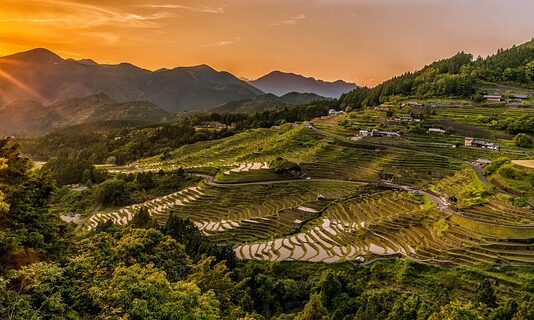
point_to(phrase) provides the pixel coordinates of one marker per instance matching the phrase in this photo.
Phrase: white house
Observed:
(436, 131)
(334, 112)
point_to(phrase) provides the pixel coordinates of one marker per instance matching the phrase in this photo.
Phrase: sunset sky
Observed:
(363, 41)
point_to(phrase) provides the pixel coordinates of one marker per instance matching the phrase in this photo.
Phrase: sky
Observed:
(361, 41)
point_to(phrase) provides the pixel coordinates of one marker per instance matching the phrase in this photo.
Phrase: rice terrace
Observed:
(266, 160)
(414, 196)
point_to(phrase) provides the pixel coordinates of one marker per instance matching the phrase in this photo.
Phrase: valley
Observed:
(419, 196)
(188, 193)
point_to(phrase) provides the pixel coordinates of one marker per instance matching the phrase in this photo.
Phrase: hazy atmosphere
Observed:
(362, 41)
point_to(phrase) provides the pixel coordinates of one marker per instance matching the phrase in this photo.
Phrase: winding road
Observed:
(442, 205)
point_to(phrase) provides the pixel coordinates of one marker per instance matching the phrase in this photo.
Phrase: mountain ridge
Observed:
(268, 101)
(281, 83)
(178, 89)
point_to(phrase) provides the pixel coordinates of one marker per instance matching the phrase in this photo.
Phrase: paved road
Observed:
(481, 176)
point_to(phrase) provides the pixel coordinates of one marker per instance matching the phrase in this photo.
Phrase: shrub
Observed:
(495, 165)
(523, 140)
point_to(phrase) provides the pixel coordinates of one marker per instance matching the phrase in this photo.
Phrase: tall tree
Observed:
(29, 231)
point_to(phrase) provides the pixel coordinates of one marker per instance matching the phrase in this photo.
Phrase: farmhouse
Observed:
(415, 104)
(472, 142)
(492, 98)
(436, 131)
(404, 119)
(519, 97)
(334, 112)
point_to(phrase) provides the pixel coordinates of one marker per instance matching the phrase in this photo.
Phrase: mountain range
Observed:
(281, 83)
(45, 77)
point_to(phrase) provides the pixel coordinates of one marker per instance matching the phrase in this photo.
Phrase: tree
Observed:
(138, 292)
(32, 292)
(523, 140)
(331, 286)
(112, 193)
(211, 276)
(456, 311)
(285, 167)
(314, 310)
(28, 230)
(486, 294)
(143, 219)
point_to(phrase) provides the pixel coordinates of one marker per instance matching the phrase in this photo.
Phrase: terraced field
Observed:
(238, 214)
(334, 212)
(462, 121)
(365, 162)
(293, 142)
(319, 156)
(500, 212)
(156, 207)
(396, 223)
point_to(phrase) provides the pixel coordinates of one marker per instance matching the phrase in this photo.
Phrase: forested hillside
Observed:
(268, 102)
(28, 118)
(73, 150)
(455, 77)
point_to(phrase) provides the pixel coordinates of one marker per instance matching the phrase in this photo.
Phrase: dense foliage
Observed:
(72, 152)
(454, 77)
(173, 272)
(447, 78)
(28, 231)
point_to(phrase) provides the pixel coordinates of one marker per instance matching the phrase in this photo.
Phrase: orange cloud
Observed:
(364, 41)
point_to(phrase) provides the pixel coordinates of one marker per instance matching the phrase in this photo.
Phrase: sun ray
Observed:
(20, 84)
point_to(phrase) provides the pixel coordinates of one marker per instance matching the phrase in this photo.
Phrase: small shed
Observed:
(482, 162)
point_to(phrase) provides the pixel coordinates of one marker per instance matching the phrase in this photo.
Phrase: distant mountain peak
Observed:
(281, 83)
(36, 55)
(88, 62)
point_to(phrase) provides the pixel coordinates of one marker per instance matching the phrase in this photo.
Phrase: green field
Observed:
(333, 211)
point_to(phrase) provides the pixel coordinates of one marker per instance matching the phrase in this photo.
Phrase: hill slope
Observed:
(458, 76)
(31, 118)
(281, 83)
(268, 102)
(43, 76)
